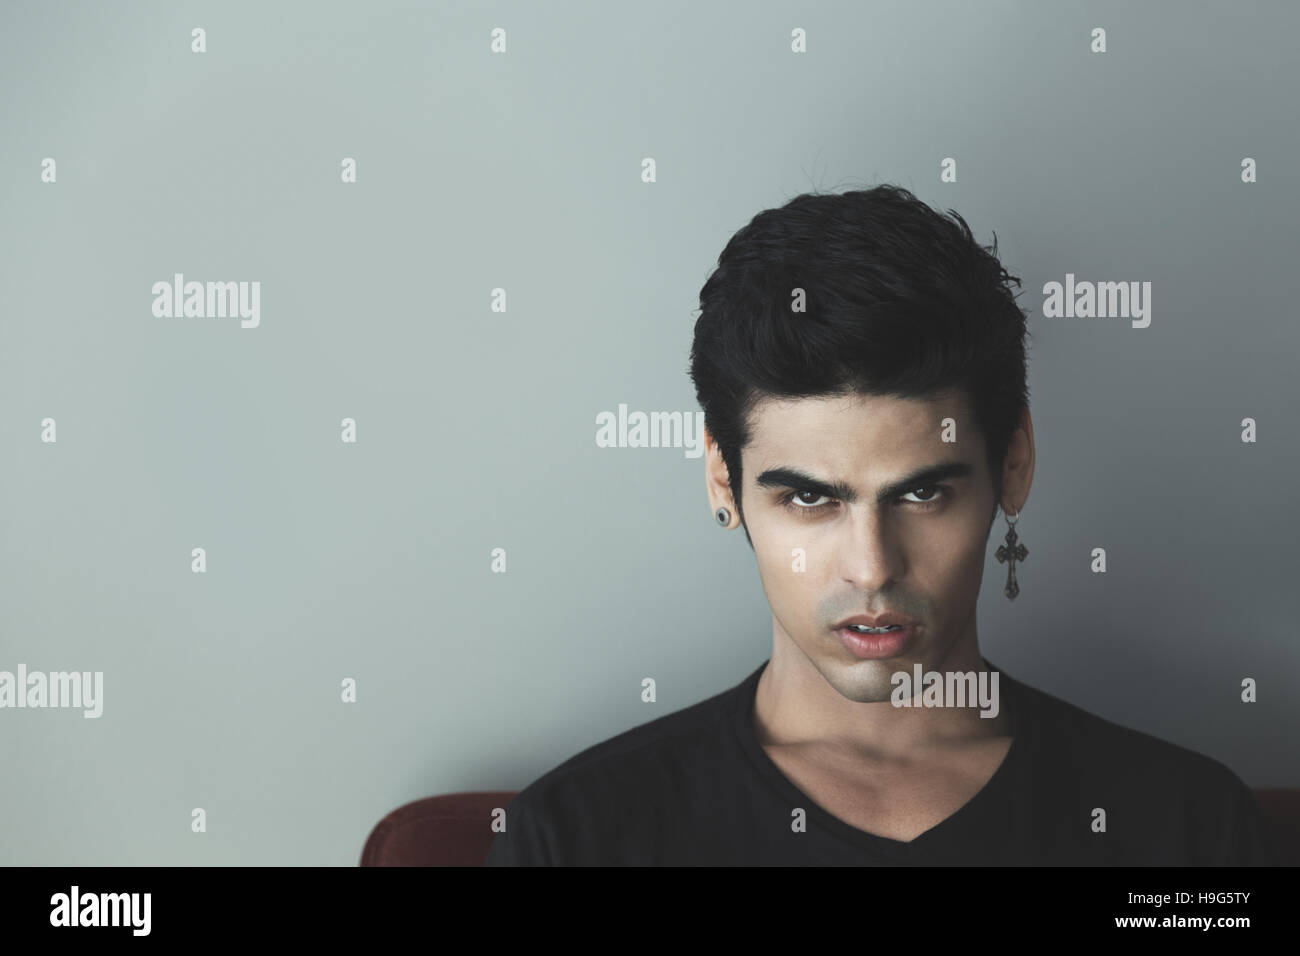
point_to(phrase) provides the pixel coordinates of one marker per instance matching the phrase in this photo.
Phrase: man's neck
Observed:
(796, 705)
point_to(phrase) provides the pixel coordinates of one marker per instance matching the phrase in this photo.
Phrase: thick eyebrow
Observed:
(793, 478)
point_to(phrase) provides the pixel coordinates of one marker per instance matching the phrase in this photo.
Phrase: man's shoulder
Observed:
(1164, 802)
(618, 798)
(1092, 743)
(655, 750)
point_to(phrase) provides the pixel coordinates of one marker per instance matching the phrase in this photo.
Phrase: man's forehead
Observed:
(886, 417)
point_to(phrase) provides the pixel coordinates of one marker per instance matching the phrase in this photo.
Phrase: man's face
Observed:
(912, 546)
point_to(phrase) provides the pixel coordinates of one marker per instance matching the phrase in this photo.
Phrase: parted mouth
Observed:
(878, 620)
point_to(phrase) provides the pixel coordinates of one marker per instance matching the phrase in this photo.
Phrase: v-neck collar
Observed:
(743, 723)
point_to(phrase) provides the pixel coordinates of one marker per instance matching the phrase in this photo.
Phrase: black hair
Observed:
(899, 301)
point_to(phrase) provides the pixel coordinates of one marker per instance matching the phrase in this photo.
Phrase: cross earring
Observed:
(1010, 553)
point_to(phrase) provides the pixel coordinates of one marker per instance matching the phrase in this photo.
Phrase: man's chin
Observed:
(866, 682)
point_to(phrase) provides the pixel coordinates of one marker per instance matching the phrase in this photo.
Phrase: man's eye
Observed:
(930, 488)
(794, 502)
(796, 496)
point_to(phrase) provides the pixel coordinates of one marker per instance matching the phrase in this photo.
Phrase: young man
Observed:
(860, 361)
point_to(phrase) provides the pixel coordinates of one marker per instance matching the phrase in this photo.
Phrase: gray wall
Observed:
(476, 429)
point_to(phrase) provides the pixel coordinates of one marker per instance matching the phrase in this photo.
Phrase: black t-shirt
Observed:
(695, 787)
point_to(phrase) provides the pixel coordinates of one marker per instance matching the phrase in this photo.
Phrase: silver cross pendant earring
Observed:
(1010, 553)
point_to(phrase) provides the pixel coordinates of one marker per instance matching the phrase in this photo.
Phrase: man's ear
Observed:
(1018, 468)
(717, 480)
